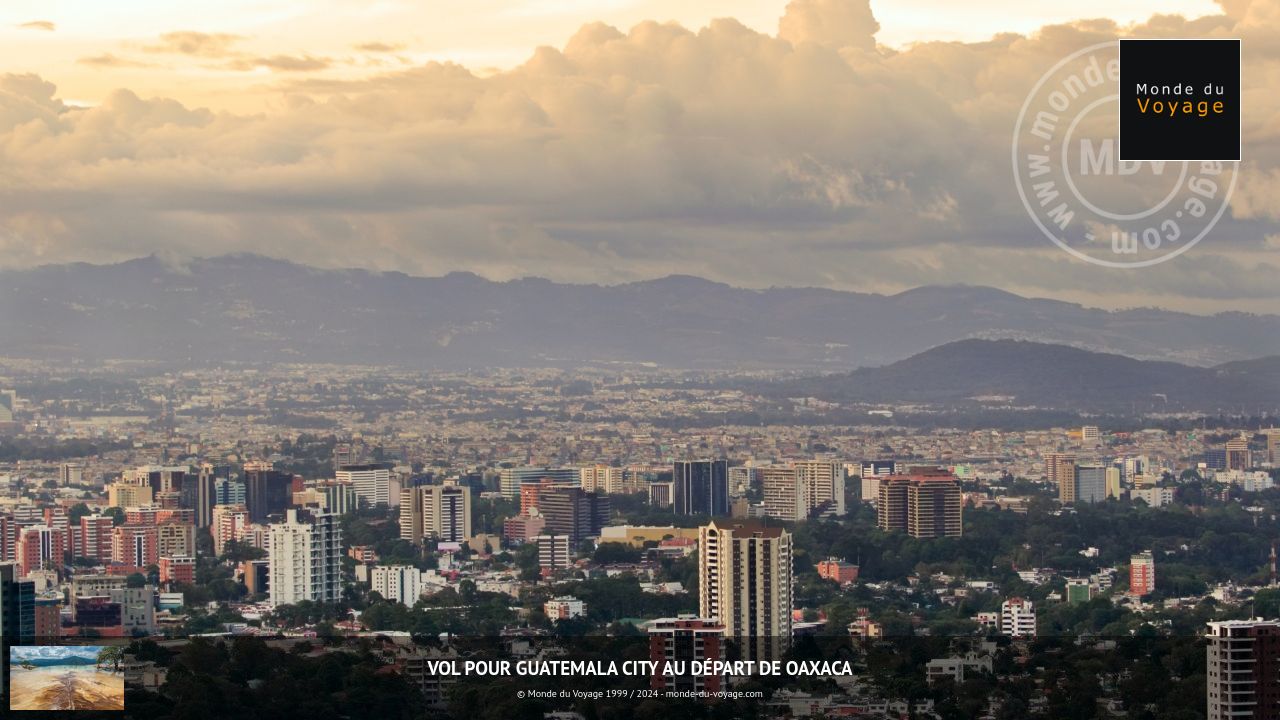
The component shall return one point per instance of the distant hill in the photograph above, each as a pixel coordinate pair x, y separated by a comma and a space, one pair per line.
977, 372
251, 308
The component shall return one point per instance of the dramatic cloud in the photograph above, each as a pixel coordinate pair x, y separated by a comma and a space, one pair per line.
44, 25
811, 157
186, 42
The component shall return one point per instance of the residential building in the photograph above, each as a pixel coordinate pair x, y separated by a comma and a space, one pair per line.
305, 559
1142, 574
1018, 617
565, 607
1242, 670
398, 583
554, 553
745, 584
371, 482
685, 639
925, 504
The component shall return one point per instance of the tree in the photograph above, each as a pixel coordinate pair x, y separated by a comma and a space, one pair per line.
111, 655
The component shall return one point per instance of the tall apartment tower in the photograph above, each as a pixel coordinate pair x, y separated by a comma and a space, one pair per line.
1142, 574
701, 487
206, 495
1238, 454
601, 478
442, 512
685, 639
1242, 672
801, 490
372, 482
745, 576
305, 559
1060, 472
573, 512
926, 504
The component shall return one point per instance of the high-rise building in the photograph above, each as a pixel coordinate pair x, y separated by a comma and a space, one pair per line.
701, 487
1091, 483
331, 496
123, 494
685, 639
511, 480
925, 504
554, 553
662, 494
870, 472
70, 474
601, 479
1242, 672
744, 584
160, 478
39, 546
1238, 454
1113, 482
398, 583
267, 491
178, 569
305, 559
1090, 435
785, 494
17, 606
1018, 618
371, 482
176, 539
1060, 472
802, 490
573, 512
207, 487
1142, 574
1273, 445
442, 512
135, 546
230, 522
95, 537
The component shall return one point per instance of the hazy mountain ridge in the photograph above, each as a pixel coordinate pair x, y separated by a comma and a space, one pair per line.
1010, 372
246, 307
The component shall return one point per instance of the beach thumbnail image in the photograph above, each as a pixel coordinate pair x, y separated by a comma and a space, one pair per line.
79, 677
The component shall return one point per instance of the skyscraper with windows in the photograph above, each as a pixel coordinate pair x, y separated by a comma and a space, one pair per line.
305, 559
371, 481
1242, 670
1142, 574
925, 504
701, 487
745, 584
1060, 473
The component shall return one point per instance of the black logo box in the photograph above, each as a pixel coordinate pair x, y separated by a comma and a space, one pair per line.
1192, 63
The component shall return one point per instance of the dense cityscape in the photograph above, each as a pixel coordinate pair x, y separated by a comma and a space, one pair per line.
386, 519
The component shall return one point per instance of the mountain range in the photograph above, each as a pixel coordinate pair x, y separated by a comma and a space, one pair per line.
992, 373
253, 308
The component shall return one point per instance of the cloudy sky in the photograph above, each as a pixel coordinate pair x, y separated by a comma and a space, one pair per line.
829, 143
